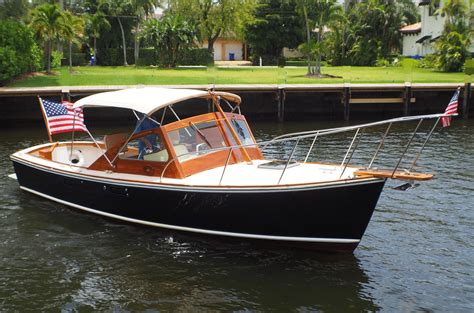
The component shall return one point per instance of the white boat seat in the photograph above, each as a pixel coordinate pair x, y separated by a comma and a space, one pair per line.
160, 156
180, 150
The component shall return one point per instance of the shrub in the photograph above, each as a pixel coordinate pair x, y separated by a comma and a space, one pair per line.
266, 60
452, 52
56, 57
196, 57
469, 67
8, 64
281, 62
428, 61
388, 62
19, 52
78, 59
147, 57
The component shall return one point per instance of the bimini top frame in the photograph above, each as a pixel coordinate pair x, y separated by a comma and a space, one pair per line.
148, 100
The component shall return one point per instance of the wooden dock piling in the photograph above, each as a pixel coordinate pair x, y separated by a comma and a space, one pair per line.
346, 97
466, 100
407, 98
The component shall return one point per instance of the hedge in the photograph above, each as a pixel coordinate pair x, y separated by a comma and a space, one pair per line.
148, 56
469, 67
78, 59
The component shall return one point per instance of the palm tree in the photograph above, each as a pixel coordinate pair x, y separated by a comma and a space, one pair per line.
171, 34
118, 9
95, 23
48, 23
141, 8
318, 14
72, 32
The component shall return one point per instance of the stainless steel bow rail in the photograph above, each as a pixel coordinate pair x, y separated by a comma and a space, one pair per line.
407, 174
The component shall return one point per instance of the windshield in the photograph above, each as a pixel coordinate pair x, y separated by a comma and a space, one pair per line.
197, 137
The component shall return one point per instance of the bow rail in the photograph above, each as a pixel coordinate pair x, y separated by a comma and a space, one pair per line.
359, 130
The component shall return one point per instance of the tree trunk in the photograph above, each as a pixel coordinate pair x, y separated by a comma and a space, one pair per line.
95, 50
123, 43
70, 55
48, 57
308, 39
318, 59
136, 50
210, 46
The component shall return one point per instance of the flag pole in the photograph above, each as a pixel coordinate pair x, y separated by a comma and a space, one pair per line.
45, 119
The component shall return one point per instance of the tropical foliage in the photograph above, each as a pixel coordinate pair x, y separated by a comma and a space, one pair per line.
276, 25
19, 52
49, 23
171, 35
452, 45
216, 18
350, 32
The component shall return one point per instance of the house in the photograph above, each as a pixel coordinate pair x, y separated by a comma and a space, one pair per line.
228, 49
419, 38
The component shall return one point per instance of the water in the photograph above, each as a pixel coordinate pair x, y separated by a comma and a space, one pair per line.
417, 253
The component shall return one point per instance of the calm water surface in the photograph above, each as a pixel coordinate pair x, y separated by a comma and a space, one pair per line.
417, 253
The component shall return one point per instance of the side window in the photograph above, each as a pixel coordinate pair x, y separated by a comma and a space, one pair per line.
148, 148
242, 131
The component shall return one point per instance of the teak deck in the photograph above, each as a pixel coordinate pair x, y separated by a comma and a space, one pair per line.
397, 175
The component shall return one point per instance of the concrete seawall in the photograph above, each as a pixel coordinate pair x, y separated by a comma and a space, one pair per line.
279, 102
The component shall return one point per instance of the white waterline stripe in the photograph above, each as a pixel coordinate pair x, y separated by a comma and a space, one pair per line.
12, 176
194, 230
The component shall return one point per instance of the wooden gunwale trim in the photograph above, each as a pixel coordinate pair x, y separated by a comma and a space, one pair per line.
337, 181
185, 122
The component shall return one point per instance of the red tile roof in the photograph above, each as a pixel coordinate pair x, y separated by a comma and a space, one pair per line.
410, 29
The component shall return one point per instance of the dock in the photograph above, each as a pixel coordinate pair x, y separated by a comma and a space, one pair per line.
329, 101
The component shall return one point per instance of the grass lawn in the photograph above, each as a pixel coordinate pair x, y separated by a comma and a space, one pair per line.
81, 76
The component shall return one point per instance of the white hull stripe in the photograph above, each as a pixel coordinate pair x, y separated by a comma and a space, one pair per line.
196, 230
193, 188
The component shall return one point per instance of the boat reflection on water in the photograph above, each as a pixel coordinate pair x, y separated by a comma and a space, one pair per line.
136, 269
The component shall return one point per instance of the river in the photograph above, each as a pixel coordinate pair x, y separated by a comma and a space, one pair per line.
417, 253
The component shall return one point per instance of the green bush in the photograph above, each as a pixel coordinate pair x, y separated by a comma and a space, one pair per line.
8, 64
469, 67
388, 62
196, 57
114, 57
428, 61
267, 60
78, 59
452, 52
56, 57
148, 56
281, 62
19, 52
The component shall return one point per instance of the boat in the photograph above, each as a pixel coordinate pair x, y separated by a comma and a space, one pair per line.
207, 175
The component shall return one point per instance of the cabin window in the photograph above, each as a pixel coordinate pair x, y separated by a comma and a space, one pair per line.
242, 131
193, 140
147, 148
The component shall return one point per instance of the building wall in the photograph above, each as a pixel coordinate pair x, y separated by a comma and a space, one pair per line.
410, 47
223, 49
431, 25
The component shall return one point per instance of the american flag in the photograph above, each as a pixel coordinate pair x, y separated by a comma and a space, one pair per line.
452, 108
62, 118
